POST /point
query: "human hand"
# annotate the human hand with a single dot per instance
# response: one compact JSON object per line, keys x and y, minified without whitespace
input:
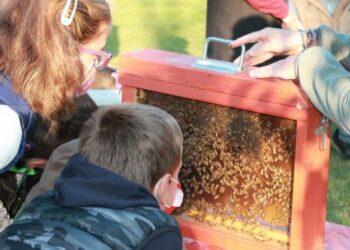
{"x":269,"y":43}
{"x":291,"y":22}
{"x":284,"y":69}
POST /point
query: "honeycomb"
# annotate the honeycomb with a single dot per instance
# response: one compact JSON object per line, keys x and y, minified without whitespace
{"x":237,"y":164}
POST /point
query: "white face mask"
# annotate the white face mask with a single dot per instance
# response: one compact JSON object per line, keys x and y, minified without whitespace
{"x":178,"y":198}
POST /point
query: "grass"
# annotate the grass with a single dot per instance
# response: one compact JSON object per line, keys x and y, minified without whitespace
{"x":338,"y":198}
{"x":180,"y":26}
{"x":163,"y":24}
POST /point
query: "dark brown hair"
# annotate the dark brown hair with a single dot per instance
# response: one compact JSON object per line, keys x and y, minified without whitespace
{"x":41,"y":55}
{"x":139,"y":142}
{"x":69,"y":129}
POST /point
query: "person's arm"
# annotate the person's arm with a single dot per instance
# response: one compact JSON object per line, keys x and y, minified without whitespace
{"x":326,"y":83}
{"x":271,"y":42}
{"x":169,"y":239}
{"x":276,"y":8}
{"x":280,"y":10}
{"x":337,"y":43}
{"x":10,"y":135}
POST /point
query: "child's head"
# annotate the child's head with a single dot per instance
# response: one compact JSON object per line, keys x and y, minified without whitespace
{"x":68,"y":130}
{"x":46,"y":143}
{"x":139,"y":142}
{"x":42,"y":56}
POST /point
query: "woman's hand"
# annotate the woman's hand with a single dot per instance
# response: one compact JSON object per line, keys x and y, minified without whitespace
{"x":284,"y":69}
{"x":269,"y":42}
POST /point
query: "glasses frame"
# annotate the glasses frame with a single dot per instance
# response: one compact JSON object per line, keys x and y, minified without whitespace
{"x":101,"y":53}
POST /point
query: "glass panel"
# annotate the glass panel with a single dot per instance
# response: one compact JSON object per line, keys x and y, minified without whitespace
{"x":237,"y":166}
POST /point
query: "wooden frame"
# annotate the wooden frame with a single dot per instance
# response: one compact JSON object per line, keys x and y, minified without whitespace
{"x":173,"y":74}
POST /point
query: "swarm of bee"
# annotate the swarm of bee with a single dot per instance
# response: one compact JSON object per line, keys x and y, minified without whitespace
{"x":237,"y":165}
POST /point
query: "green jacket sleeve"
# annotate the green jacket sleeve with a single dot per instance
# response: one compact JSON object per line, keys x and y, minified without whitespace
{"x":337,"y":43}
{"x":326,"y":83}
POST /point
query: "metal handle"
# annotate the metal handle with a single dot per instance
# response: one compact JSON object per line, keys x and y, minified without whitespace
{"x":224,"y":41}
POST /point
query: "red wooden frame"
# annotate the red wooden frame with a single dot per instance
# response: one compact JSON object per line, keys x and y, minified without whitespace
{"x":173,"y":74}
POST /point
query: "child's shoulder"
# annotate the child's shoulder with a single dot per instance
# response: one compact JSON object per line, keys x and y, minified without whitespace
{"x":142,"y":224}
{"x":149,"y":218}
{"x":156,"y":215}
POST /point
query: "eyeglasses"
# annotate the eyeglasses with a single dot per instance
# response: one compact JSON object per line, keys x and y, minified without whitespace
{"x":102,"y":57}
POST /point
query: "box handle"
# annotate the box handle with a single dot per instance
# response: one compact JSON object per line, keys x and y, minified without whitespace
{"x":224,"y":41}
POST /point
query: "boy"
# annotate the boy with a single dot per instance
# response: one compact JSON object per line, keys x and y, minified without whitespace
{"x":111,"y":194}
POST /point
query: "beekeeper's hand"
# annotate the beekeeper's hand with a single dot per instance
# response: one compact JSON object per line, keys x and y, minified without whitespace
{"x":285,"y":69}
{"x":269,"y":42}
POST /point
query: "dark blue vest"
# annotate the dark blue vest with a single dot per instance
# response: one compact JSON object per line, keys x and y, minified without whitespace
{"x":88,"y":227}
{"x":27,"y":117}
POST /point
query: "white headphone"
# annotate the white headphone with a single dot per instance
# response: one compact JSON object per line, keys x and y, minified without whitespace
{"x":65,"y":19}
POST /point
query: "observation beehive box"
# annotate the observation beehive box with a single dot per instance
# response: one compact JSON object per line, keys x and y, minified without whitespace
{"x":255,"y":170}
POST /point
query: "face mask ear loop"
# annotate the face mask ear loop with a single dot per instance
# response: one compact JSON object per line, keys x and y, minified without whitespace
{"x":177,"y":182}
{"x":155,"y":196}
{"x":65,"y":19}
{"x":155,"y":192}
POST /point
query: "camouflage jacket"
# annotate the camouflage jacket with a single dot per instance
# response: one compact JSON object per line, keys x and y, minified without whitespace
{"x":92,"y":208}
{"x":43,"y":224}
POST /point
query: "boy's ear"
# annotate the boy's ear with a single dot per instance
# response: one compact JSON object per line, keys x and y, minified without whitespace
{"x":163,"y":185}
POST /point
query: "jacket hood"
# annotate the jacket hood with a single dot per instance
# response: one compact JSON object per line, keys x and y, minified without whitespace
{"x":85,"y":184}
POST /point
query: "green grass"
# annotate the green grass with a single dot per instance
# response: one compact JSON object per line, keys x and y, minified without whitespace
{"x":180,"y":26}
{"x":338,"y":200}
{"x":338,"y":197}
{"x":163,"y":24}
